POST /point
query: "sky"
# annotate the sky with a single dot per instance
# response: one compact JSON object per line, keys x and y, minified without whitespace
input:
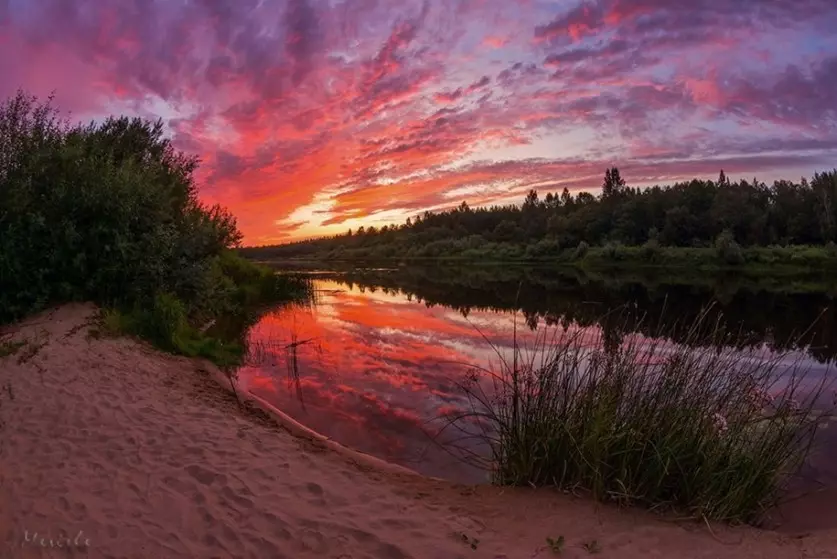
{"x":311,"y":117}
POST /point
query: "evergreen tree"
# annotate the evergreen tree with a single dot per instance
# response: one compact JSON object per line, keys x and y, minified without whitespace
{"x":531,"y":201}
{"x":566,"y":197}
{"x":613,"y":182}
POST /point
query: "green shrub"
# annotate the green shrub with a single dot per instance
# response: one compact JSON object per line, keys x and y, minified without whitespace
{"x":611,"y":251}
{"x":543,"y":249}
{"x":582,"y":250}
{"x":651,"y":250}
{"x":727,"y":250}
{"x":109,"y":213}
{"x":10,"y":348}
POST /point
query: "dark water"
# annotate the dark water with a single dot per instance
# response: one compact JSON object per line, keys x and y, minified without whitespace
{"x":382,"y":353}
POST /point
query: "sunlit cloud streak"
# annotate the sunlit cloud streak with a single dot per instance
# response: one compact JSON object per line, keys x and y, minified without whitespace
{"x":311,"y":117}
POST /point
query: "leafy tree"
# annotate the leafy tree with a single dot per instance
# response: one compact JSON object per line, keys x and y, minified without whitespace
{"x":824,"y":186}
{"x":108,"y":212}
{"x":507,"y":231}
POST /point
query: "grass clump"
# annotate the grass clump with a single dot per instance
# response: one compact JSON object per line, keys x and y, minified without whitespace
{"x":556,"y":545}
{"x":592,"y":546}
{"x":698,"y":428}
{"x":108,"y":212}
{"x":10,"y":348}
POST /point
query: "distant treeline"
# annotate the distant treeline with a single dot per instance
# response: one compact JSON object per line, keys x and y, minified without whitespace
{"x":720,"y":215}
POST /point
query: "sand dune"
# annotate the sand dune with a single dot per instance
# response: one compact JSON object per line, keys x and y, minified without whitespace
{"x":129,"y":453}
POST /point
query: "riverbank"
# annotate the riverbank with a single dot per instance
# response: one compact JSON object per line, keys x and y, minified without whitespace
{"x":776,"y":261}
{"x":147,"y":457}
{"x":455,"y":273}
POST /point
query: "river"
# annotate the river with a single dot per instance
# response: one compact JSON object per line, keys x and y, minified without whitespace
{"x":379,"y":359}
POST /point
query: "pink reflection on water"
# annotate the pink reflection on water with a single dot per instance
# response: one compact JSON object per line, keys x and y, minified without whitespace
{"x":380,"y":372}
{"x":375,"y":369}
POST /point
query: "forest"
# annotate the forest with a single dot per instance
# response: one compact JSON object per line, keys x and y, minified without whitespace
{"x":733,"y":221}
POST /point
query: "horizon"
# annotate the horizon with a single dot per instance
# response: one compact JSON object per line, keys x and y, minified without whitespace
{"x":541,"y":195}
{"x":312,"y":118}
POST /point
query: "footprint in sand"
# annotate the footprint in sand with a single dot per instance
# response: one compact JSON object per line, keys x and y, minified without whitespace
{"x":203,"y":475}
{"x":311,"y":540}
{"x":315,"y":488}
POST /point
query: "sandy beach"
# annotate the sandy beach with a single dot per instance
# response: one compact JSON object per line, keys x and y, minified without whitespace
{"x":111,"y":449}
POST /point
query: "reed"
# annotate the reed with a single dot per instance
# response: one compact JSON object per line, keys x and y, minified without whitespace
{"x":698,"y":427}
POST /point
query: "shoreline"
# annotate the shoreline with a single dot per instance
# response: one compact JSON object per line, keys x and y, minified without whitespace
{"x":779,"y":262}
{"x":784,"y":280}
{"x":302,"y":431}
{"x":138,"y":450}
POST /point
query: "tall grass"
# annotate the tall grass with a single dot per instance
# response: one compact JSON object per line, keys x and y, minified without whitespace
{"x":702,"y":429}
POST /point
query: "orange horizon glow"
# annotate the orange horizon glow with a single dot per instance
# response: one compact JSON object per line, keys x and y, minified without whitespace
{"x":312,"y":118}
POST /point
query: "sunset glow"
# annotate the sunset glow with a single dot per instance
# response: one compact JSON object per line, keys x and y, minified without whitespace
{"x":315,"y":116}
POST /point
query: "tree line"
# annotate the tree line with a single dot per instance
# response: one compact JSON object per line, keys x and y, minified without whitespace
{"x":696,"y":213}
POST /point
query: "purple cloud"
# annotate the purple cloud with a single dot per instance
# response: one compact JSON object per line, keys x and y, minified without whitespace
{"x":311,"y":115}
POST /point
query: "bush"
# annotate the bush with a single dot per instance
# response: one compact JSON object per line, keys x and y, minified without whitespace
{"x":651,"y":250}
{"x":613,"y":251}
{"x":727,"y":250}
{"x":542,"y":249}
{"x":109,"y":213}
{"x":582,"y":250}
{"x":692,"y":428}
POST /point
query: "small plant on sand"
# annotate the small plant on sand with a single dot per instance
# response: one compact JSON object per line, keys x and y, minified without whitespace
{"x":698,"y":428}
{"x":10,"y":348}
{"x":472,"y":542}
{"x":29,"y":350}
{"x":556,"y":546}
{"x":592,"y":547}
{"x":111,"y":323}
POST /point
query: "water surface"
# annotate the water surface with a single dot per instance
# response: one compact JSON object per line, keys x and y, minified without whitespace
{"x":381,"y":356}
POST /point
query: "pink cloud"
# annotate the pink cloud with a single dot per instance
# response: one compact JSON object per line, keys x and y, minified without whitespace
{"x":364,"y":106}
